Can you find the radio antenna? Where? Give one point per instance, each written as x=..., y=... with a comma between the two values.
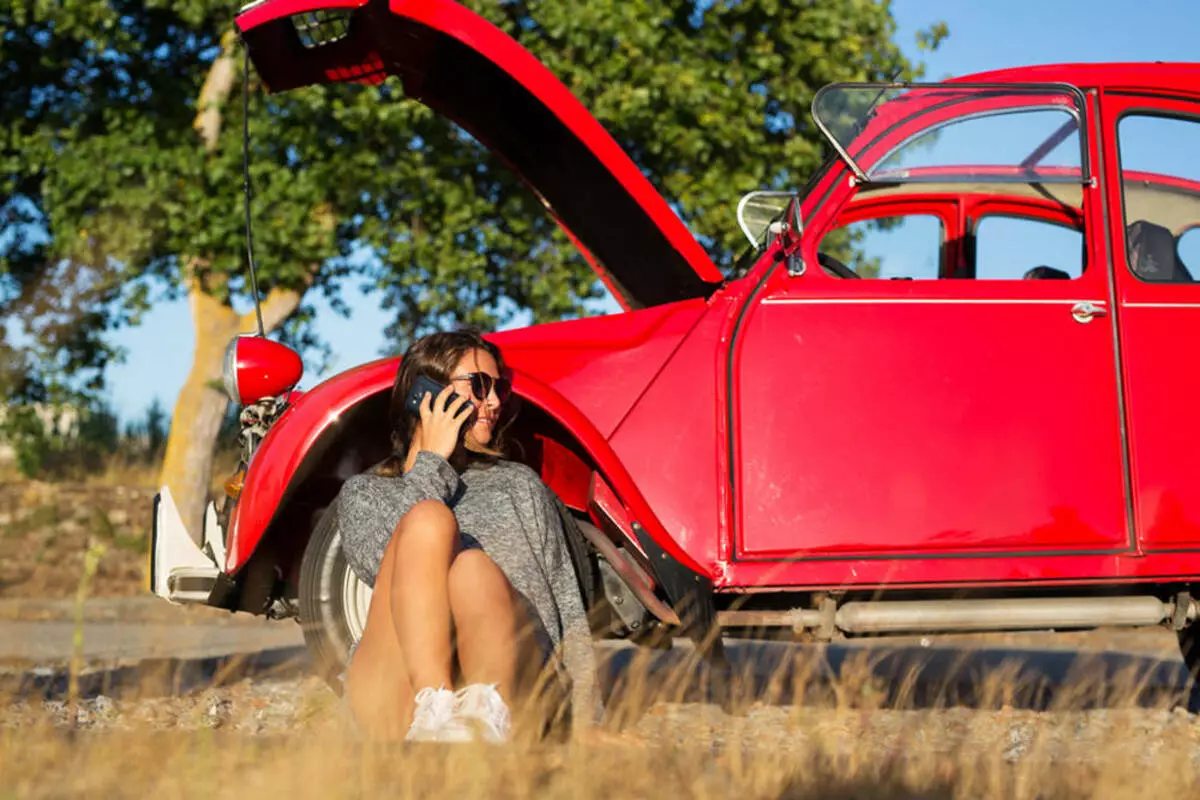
x=246, y=183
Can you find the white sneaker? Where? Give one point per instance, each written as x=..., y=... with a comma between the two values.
x=434, y=718
x=482, y=709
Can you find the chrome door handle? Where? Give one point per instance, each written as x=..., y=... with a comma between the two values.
x=1083, y=312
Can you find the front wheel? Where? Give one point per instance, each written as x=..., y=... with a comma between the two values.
x=333, y=601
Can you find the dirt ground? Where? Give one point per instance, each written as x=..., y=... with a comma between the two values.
x=46, y=528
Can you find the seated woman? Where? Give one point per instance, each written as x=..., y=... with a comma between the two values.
x=464, y=550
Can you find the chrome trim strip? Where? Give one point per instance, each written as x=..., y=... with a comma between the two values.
x=841, y=151
x=1195, y=306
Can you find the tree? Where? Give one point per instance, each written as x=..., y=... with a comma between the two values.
x=130, y=144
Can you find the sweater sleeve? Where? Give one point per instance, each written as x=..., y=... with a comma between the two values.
x=578, y=654
x=369, y=508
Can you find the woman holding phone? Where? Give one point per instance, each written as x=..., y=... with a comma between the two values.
x=465, y=552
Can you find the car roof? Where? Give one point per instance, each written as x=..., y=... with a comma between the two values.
x=1180, y=76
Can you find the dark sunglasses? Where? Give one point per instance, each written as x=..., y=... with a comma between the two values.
x=482, y=385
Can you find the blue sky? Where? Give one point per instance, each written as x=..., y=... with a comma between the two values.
x=984, y=35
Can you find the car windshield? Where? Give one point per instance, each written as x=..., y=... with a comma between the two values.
x=892, y=133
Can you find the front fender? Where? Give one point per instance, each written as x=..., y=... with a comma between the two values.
x=279, y=465
x=280, y=458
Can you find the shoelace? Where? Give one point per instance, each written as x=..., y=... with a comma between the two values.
x=493, y=704
x=435, y=706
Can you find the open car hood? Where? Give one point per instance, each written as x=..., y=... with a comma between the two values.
x=466, y=69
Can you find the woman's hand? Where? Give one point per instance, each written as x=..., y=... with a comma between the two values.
x=440, y=424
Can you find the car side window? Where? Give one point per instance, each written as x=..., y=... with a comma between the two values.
x=1009, y=247
x=898, y=247
x=1187, y=246
x=1160, y=184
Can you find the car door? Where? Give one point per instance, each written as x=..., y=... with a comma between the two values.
x=923, y=410
x=1155, y=219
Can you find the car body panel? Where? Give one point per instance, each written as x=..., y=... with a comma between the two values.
x=601, y=365
x=671, y=441
x=969, y=432
x=939, y=440
x=474, y=74
x=1159, y=326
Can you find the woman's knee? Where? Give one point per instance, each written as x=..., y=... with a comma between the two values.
x=429, y=514
x=478, y=587
x=429, y=521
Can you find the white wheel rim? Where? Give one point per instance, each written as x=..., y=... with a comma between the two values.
x=356, y=600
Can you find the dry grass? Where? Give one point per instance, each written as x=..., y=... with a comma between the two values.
x=120, y=469
x=797, y=733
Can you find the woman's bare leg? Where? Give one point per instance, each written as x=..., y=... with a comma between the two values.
x=426, y=541
x=406, y=644
x=377, y=686
x=487, y=621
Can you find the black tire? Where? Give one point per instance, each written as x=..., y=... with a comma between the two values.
x=324, y=617
x=582, y=557
x=1189, y=649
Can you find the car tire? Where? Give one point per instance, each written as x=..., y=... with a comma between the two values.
x=333, y=601
x=1189, y=649
x=583, y=559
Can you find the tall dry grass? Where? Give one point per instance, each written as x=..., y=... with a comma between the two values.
x=798, y=730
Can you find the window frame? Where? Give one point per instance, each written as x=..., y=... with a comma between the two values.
x=879, y=208
x=944, y=110
x=1159, y=112
x=1072, y=220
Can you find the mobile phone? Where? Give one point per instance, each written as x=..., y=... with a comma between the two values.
x=420, y=386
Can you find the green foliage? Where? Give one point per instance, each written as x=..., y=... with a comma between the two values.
x=49, y=440
x=147, y=437
x=28, y=436
x=57, y=441
x=98, y=152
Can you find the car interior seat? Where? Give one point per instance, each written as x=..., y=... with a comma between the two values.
x=1044, y=273
x=1152, y=255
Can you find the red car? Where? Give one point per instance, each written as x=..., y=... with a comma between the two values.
x=983, y=423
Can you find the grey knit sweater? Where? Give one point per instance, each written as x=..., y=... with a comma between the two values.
x=503, y=508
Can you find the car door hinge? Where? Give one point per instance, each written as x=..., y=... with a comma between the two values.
x=795, y=265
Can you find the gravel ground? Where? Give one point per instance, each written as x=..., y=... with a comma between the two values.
x=847, y=713
x=257, y=706
x=304, y=706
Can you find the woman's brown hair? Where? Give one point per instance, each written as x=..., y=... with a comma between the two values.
x=435, y=356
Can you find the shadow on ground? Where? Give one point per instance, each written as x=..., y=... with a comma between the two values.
x=157, y=677
x=883, y=676
x=856, y=676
